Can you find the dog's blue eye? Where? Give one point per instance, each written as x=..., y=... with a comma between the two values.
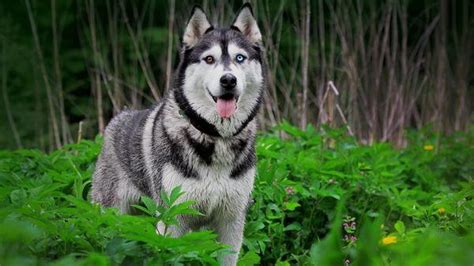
x=240, y=58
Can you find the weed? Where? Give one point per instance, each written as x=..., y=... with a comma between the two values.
x=338, y=204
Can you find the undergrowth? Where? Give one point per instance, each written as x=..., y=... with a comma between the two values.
x=320, y=198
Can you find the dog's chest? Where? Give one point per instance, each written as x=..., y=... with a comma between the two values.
x=214, y=192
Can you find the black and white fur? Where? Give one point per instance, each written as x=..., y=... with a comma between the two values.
x=183, y=141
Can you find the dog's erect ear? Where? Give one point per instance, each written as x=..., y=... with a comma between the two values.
x=246, y=23
x=197, y=25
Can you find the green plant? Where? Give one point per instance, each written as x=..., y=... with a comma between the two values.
x=167, y=212
x=304, y=176
x=46, y=216
x=412, y=206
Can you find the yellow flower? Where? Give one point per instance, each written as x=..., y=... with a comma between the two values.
x=428, y=147
x=389, y=240
x=441, y=210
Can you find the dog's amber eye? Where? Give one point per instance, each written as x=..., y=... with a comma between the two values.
x=209, y=59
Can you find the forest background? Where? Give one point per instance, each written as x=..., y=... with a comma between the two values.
x=374, y=67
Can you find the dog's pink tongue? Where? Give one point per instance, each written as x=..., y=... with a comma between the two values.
x=225, y=108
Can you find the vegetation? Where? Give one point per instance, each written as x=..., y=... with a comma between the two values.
x=319, y=198
x=392, y=186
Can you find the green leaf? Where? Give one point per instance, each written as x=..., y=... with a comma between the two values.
x=143, y=209
x=329, y=250
x=291, y=206
x=164, y=197
x=282, y=263
x=175, y=194
x=150, y=205
x=400, y=227
x=250, y=258
x=17, y=195
x=293, y=227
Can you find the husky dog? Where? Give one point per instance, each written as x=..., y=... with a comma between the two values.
x=201, y=136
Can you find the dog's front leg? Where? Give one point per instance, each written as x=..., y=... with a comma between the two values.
x=231, y=232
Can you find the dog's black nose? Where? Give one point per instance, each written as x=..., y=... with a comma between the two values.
x=228, y=81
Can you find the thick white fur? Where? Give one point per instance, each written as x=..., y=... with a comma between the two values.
x=218, y=196
x=129, y=194
x=147, y=146
x=221, y=196
x=224, y=200
x=202, y=77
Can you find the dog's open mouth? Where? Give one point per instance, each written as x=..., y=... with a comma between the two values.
x=226, y=104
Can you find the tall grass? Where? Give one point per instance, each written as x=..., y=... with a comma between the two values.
x=386, y=78
x=394, y=64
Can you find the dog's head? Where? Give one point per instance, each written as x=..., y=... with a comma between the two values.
x=220, y=78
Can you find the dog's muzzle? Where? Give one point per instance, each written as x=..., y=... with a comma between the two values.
x=228, y=82
x=226, y=102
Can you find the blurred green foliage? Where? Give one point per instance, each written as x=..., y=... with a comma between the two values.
x=320, y=199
